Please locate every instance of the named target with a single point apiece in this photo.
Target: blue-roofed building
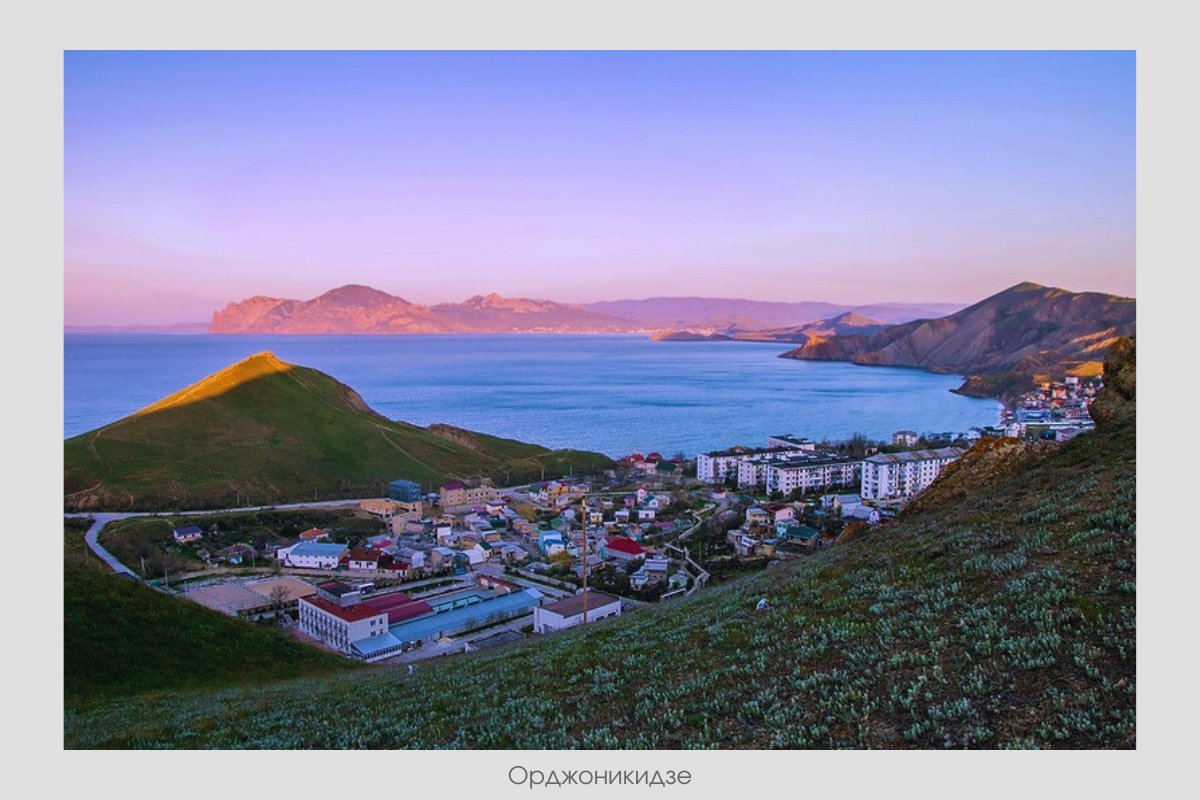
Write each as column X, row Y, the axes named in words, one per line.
column 551, row 542
column 313, row 555
column 432, row 627
column 373, row 648
column 405, row 491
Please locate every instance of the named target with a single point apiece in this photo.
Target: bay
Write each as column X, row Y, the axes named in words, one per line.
column 613, row 394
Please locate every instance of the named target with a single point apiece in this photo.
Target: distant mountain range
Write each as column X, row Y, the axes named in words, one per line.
column 362, row 309
column 1000, row 342
column 720, row 315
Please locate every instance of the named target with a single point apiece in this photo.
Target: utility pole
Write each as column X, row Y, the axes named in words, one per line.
column 584, row 518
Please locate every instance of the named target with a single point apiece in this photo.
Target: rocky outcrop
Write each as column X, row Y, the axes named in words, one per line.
column 1117, row 401
column 987, row 462
column 459, row 436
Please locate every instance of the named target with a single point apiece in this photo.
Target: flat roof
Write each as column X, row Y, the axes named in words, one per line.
column 466, row 616
column 373, row 644
column 228, row 598
column 916, row 455
column 570, row 606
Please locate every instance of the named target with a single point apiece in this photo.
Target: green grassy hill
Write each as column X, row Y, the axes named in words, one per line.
column 263, row 432
column 1006, row 618
column 123, row 638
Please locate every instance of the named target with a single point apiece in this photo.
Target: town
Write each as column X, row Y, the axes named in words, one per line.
column 422, row 573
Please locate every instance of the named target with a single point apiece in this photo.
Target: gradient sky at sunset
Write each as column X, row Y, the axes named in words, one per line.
column 193, row 179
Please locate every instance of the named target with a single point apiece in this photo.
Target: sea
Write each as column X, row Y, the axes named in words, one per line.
column 615, row 394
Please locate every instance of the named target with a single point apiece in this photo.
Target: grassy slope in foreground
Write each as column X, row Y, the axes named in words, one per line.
column 262, row 432
column 1006, row 619
column 123, row 638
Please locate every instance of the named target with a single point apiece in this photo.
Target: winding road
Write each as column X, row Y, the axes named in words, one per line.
column 92, row 537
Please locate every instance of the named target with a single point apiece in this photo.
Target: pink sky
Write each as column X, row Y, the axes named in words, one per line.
column 196, row 179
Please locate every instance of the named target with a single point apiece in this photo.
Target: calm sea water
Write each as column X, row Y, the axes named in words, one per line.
column 613, row 394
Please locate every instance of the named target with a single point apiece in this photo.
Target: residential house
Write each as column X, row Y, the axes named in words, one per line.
column 620, row 548
column 188, row 533
column 364, row 558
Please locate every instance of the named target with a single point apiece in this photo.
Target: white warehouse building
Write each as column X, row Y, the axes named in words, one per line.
column 568, row 613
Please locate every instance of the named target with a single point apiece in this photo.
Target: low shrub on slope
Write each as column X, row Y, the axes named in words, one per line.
column 1005, row 620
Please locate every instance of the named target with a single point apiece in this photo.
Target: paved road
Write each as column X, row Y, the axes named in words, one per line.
column 92, row 539
column 103, row 518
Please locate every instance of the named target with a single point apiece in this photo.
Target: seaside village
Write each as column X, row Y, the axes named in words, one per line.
column 472, row 566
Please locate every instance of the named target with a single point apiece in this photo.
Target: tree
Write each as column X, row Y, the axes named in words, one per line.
column 279, row 595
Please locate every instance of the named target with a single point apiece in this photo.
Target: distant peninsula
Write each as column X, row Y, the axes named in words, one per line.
column 355, row 309
column 1001, row 343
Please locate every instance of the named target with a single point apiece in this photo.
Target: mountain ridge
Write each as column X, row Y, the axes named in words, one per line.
column 999, row 343
column 357, row 309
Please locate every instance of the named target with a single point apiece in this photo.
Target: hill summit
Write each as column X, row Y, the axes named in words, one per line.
column 263, row 431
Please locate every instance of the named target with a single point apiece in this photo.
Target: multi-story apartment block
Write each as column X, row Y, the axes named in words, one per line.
column 456, row 494
column 889, row 476
column 811, row 472
column 719, row 466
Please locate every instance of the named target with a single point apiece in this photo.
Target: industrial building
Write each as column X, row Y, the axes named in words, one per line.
column 568, row 613
column 433, row 627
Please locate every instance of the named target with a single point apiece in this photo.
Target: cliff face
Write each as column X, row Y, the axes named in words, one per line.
column 1020, row 331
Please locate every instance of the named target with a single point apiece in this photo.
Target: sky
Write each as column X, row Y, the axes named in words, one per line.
column 197, row 179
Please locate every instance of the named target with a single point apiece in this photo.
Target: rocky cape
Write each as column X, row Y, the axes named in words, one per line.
column 1000, row 344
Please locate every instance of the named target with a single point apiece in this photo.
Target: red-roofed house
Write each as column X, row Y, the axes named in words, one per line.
column 314, row 534
column 620, row 548
column 364, row 558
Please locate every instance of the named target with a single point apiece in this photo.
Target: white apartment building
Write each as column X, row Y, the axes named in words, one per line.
column 812, row 472
column 717, row 467
column 720, row 465
column 889, row 476
column 752, row 472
